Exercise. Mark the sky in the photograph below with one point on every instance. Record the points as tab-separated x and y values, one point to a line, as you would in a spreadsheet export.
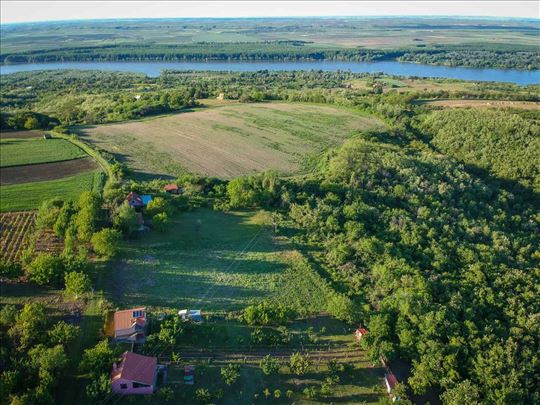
28	11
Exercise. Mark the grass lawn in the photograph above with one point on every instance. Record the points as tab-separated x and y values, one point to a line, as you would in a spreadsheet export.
28	196
14	152
231	140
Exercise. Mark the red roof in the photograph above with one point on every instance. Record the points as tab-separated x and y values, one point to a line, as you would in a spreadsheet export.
361	331
391	379
134	197
170	187
135	367
126	318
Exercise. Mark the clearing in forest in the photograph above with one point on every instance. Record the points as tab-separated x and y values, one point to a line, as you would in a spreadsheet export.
233	140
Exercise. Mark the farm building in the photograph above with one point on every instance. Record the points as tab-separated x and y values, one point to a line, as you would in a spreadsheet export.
146	198
130	325
360	333
172	189
135	374
134	200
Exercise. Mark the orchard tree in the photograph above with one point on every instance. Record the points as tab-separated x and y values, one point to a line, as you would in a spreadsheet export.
230	373
106	242
269	365
299	364
76	284
125	219
98	359
63	333
46	269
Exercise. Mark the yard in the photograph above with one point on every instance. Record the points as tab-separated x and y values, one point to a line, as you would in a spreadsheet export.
220	263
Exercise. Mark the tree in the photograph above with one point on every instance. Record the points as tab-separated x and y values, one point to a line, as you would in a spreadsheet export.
99	387
269	365
10	270
63	333
230	373
31	123
76	284
343	308
29	325
299	364
203	396
98	359
463	393
125	219
48	361
161	222
46	269
106	242
157	206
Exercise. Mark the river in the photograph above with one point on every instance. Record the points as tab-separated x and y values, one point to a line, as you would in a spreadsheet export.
153	69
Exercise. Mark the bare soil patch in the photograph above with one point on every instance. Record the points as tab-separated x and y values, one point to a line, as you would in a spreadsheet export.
20	134
45	171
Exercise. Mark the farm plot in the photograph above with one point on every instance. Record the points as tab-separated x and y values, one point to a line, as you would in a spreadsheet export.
14	152
232	140
28	196
14	230
45	171
20	134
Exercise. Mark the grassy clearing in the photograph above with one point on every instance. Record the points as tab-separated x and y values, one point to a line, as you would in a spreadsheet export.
210	260
14	152
231	140
28	196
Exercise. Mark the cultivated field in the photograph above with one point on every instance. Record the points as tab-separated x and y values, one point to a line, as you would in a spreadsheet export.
45	171
231	140
522	105
28	196
14	152
20	134
14	230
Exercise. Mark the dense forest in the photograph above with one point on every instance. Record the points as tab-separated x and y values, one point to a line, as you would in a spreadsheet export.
528	59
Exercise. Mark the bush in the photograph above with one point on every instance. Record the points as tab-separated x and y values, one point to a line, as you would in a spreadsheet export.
230	373
343	308
267	313
99	388
299	364
46	269
76	284
157	206
161	222
269	365
203	396
48	213
166	394
106	242
10	270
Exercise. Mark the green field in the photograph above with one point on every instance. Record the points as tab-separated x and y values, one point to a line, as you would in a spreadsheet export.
209	259
232	140
28	196
14	152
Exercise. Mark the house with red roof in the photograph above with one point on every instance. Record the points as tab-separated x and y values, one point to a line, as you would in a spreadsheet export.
360	333
134	200
172	189
130	325
135	374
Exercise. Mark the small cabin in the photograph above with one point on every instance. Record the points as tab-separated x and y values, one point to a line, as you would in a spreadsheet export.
391	381
360	333
130	325
135	374
172	189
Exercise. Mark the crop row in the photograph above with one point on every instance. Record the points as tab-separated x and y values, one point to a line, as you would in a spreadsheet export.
14	230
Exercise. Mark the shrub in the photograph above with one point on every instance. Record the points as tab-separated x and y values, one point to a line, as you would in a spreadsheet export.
269	365
76	284
230	373
46	269
203	396
266	313
299	364
161	222
343	308
166	394
48	212
10	270
106	242
157	206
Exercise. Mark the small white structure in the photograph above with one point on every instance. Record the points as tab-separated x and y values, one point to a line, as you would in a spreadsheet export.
191	315
137	97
